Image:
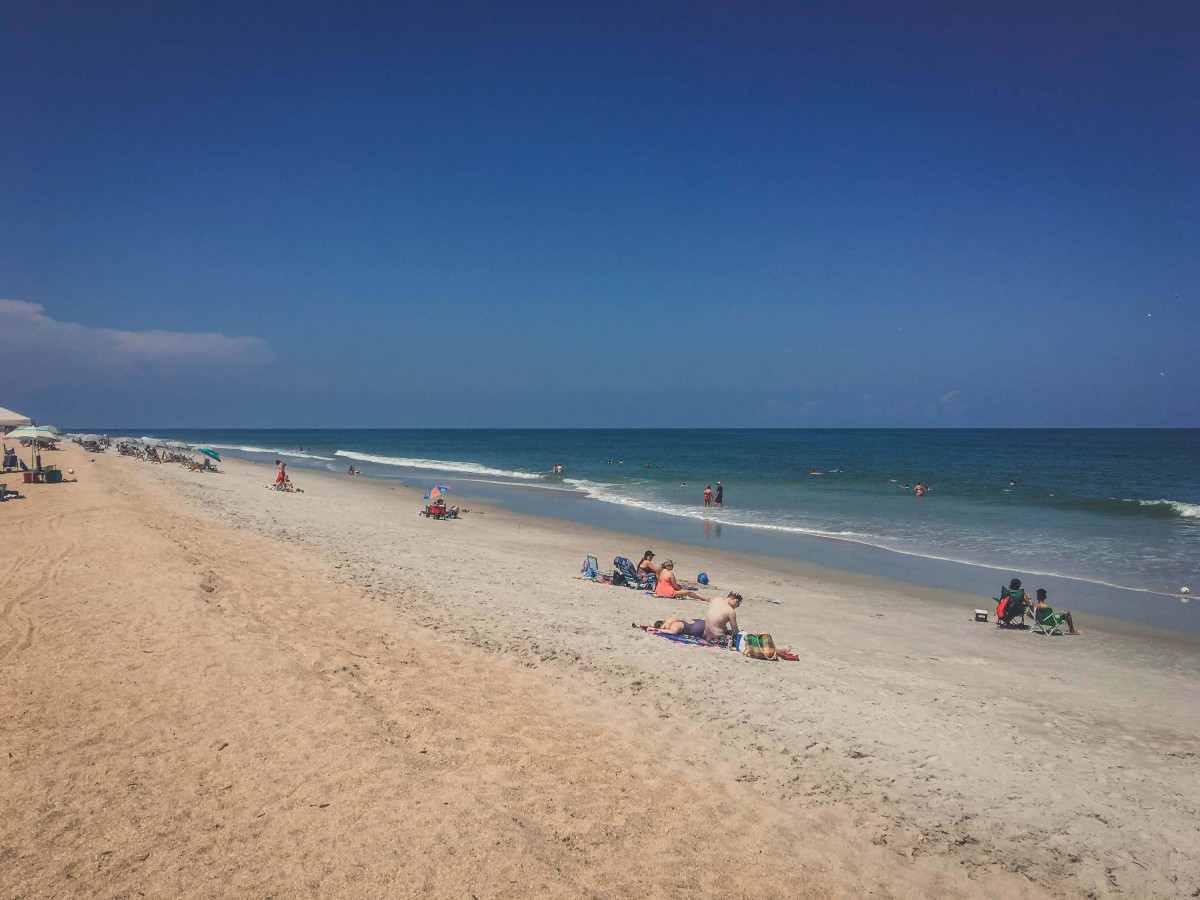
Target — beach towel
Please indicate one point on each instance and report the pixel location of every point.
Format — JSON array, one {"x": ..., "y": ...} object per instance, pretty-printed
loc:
[{"x": 683, "y": 638}]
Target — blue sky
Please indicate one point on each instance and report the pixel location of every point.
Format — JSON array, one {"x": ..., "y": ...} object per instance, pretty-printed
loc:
[{"x": 381, "y": 214}]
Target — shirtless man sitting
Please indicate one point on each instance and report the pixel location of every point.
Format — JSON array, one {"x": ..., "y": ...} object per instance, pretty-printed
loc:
[
  {"x": 1050, "y": 617},
  {"x": 668, "y": 586},
  {"x": 720, "y": 619}
]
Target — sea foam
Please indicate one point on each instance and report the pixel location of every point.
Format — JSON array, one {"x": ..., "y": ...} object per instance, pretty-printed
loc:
[
  {"x": 274, "y": 451},
  {"x": 438, "y": 465}
]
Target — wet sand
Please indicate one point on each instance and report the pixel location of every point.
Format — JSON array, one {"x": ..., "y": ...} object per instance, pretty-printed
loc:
[{"x": 211, "y": 689}]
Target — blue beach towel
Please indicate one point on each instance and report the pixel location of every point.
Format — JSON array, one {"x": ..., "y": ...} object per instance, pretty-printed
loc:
[{"x": 684, "y": 638}]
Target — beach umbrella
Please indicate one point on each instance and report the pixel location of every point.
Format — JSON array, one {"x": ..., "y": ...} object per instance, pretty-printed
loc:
[
  {"x": 35, "y": 434},
  {"x": 207, "y": 452},
  {"x": 52, "y": 430},
  {"x": 437, "y": 490},
  {"x": 32, "y": 433}
]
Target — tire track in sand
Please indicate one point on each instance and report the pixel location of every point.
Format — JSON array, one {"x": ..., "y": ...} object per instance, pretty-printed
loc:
[{"x": 48, "y": 552}]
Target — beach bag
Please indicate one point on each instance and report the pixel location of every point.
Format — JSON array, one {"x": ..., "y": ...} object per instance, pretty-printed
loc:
[{"x": 757, "y": 646}]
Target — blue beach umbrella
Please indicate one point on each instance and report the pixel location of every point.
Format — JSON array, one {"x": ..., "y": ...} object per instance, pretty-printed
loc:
[
  {"x": 436, "y": 490},
  {"x": 213, "y": 453}
]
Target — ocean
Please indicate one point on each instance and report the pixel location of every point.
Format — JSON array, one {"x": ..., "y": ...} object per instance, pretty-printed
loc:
[{"x": 1108, "y": 520}]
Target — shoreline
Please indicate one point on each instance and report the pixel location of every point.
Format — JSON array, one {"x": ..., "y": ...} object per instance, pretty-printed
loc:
[
  {"x": 1091, "y": 597},
  {"x": 1123, "y": 566},
  {"x": 952, "y": 599},
  {"x": 909, "y": 751}
]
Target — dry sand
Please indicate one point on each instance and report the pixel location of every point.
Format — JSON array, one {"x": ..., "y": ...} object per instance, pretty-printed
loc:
[{"x": 210, "y": 689}]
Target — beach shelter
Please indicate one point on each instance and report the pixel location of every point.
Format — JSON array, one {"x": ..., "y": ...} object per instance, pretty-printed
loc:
[
  {"x": 438, "y": 490},
  {"x": 10, "y": 419}
]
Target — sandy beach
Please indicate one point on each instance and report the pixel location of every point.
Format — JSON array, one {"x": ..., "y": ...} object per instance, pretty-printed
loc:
[{"x": 212, "y": 689}]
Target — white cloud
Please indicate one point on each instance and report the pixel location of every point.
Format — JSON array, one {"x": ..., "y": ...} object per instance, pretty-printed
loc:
[
  {"x": 949, "y": 402},
  {"x": 948, "y": 398},
  {"x": 28, "y": 335}
]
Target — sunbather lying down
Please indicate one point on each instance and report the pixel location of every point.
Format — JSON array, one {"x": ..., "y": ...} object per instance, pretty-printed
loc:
[
  {"x": 720, "y": 619},
  {"x": 693, "y": 627}
]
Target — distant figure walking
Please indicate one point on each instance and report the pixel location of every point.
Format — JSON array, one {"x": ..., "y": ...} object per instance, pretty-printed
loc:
[
  {"x": 719, "y": 499},
  {"x": 281, "y": 475},
  {"x": 708, "y": 495}
]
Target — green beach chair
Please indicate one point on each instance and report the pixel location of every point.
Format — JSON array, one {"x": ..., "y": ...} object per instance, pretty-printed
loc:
[{"x": 1046, "y": 621}]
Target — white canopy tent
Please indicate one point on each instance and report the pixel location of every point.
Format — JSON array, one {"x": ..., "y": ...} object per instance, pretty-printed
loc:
[{"x": 10, "y": 419}]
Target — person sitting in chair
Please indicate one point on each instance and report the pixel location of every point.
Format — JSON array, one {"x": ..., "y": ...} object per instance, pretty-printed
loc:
[
  {"x": 1013, "y": 601},
  {"x": 647, "y": 565},
  {"x": 1044, "y": 614}
]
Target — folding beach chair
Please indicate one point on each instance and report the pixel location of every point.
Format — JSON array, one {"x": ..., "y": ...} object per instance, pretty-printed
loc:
[
  {"x": 627, "y": 574},
  {"x": 1010, "y": 608},
  {"x": 591, "y": 569},
  {"x": 1046, "y": 621}
]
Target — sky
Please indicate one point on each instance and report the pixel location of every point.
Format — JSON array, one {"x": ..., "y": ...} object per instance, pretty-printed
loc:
[{"x": 623, "y": 214}]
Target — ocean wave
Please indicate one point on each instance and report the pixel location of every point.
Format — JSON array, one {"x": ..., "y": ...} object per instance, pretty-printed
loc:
[
  {"x": 274, "y": 451},
  {"x": 439, "y": 465},
  {"x": 609, "y": 493},
  {"x": 1177, "y": 507}
]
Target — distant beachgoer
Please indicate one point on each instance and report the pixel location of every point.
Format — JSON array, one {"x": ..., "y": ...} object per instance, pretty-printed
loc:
[
  {"x": 1011, "y": 482},
  {"x": 708, "y": 495},
  {"x": 919, "y": 489},
  {"x": 668, "y": 585},
  {"x": 647, "y": 563},
  {"x": 719, "y": 497},
  {"x": 814, "y": 472},
  {"x": 1050, "y": 617},
  {"x": 891, "y": 481},
  {"x": 281, "y": 475}
]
